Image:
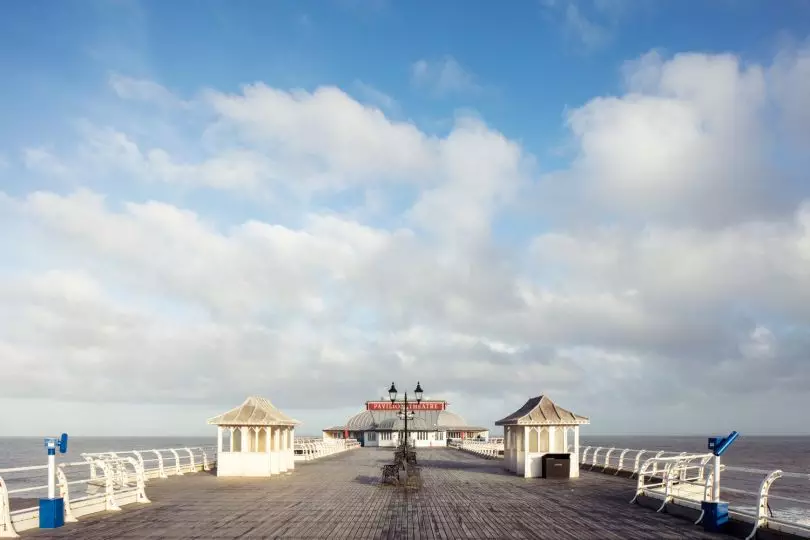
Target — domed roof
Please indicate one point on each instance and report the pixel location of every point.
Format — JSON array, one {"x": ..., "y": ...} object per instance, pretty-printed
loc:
[
  {"x": 361, "y": 421},
  {"x": 388, "y": 420},
  {"x": 395, "y": 424},
  {"x": 450, "y": 419}
]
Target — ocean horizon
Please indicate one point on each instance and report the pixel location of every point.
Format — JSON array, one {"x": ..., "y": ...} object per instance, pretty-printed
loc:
[{"x": 786, "y": 452}]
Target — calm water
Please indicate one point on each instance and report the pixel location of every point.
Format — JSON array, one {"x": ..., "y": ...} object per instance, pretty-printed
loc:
[
  {"x": 24, "y": 451},
  {"x": 786, "y": 453}
]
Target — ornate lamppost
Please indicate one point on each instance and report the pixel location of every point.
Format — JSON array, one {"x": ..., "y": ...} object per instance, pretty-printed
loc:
[{"x": 392, "y": 393}]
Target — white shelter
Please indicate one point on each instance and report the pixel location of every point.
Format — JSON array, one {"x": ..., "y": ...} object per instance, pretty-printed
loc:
[
  {"x": 262, "y": 440},
  {"x": 539, "y": 427}
]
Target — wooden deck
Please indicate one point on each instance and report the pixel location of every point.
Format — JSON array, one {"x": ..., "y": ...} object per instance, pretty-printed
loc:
[{"x": 464, "y": 496}]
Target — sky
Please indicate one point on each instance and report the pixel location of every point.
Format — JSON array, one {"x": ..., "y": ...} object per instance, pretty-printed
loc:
[{"x": 606, "y": 202}]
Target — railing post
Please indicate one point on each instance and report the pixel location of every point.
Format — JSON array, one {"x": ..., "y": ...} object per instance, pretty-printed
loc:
[
  {"x": 90, "y": 459},
  {"x": 109, "y": 486},
  {"x": 668, "y": 472},
  {"x": 140, "y": 460},
  {"x": 621, "y": 460},
  {"x": 640, "y": 482},
  {"x": 655, "y": 464},
  {"x": 607, "y": 458},
  {"x": 140, "y": 479},
  {"x": 6, "y": 527},
  {"x": 595, "y": 455},
  {"x": 762, "y": 507},
  {"x": 177, "y": 470},
  {"x": 205, "y": 460},
  {"x": 191, "y": 459},
  {"x": 584, "y": 459},
  {"x": 635, "y": 465},
  {"x": 161, "y": 470},
  {"x": 64, "y": 492}
]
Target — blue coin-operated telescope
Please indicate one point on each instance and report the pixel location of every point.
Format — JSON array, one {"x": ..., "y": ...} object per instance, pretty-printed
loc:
[
  {"x": 718, "y": 445},
  {"x": 715, "y": 513},
  {"x": 52, "y": 509}
]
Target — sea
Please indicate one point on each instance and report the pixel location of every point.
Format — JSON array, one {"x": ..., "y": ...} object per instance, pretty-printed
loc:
[{"x": 790, "y": 454}]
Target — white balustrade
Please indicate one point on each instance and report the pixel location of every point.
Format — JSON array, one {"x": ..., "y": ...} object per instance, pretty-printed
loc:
[
  {"x": 687, "y": 480},
  {"x": 103, "y": 481},
  {"x": 488, "y": 449},
  {"x": 309, "y": 449}
]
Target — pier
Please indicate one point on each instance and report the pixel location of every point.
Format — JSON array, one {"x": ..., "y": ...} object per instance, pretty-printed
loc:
[{"x": 340, "y": 496}]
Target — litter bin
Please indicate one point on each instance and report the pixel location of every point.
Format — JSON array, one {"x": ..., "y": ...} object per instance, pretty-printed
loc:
[{"x": 556, "y": 465}]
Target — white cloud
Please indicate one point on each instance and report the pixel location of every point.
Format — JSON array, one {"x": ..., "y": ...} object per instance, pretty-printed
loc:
[
  {"x": 144, "y": 90},
  {"x": 691, "y": 142},
  {"x": 443, "y": 77},
  {"x": 590, "y": 23},
  {"x": 663, "y": 271},
  {"x": 375, "y": 96},
  {"x": 324, "y": 138},
  {"x": 43, "y": 161}
]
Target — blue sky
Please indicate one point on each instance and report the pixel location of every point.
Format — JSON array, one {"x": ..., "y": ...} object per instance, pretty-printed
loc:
[
  {"x": 530, "y": 62},
  {"x": 305, "y": 199}
]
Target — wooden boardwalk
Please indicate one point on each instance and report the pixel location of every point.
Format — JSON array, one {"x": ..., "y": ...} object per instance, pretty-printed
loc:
[{"x": 339, "y": 497}]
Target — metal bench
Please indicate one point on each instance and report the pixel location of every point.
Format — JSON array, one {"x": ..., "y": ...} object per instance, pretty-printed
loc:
[
  {"x": 413, "y": 478},
  {"x": 390, "y": 474}
]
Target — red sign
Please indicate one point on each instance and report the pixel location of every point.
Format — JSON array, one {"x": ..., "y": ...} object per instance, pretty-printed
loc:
[{"x": 388, "y": 406}]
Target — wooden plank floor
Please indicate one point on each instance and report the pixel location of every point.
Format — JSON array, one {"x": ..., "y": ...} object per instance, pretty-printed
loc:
[{"x": 339, "y": 497}]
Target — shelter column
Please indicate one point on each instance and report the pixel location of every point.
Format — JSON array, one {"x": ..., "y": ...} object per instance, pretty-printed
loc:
[
  {"x": 292, "y": 449},
  {"x": 267, "y": 447},
  {"x": 245, "y": 432},
  {"x": 575, "y": 461},
  {"x": 506, "y": 447},
  {"x": 552, "y": 432},
  {"x": 275, "y": 464},
  {"x": 526, "y": 452},
  {"x": 282, "y": 450},
  {"x": 219, "y": 440},
  {"x": 231, "y": 449},
  {"x": 565, "y": 439}
]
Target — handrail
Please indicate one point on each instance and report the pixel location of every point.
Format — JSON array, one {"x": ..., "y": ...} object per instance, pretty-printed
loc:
[
  {"x": 309, "y": 449},
  {"x": 481, "y": 448},
  {"x": 679, "y": 470},
  {"x": 194, "y": 459},
  {"x": 107, "y": 480}
]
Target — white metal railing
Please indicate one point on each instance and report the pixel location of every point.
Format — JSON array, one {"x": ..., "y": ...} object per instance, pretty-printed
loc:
[
  {"x": 103, "y": 481},
  {"x": 481, "y": 448},
  {"x": 620, "y": 459},
  {"x": 680, "y": 477},
  {"x": 165, "y": 462},
  {"x": 309, "y": 449},
  {"x": 779, "y": 511},
  {"x": 687, "y": 479}
]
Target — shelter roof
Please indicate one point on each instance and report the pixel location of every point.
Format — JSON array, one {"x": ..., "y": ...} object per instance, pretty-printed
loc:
[
  {"x": 541, "y": 411},
  {"x": 255, "y": 411}
]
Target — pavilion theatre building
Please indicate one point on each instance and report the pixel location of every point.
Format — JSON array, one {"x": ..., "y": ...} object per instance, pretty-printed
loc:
[{"x": 380, "y": 425}]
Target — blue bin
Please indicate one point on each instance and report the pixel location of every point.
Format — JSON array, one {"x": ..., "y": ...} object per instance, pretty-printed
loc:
[
  {"x": 715, "y": 517},
  {"x": 51, "y": 513}
]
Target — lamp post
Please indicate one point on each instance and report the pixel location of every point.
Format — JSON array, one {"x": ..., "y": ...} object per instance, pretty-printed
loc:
[{"x": 392, "y": 393}]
